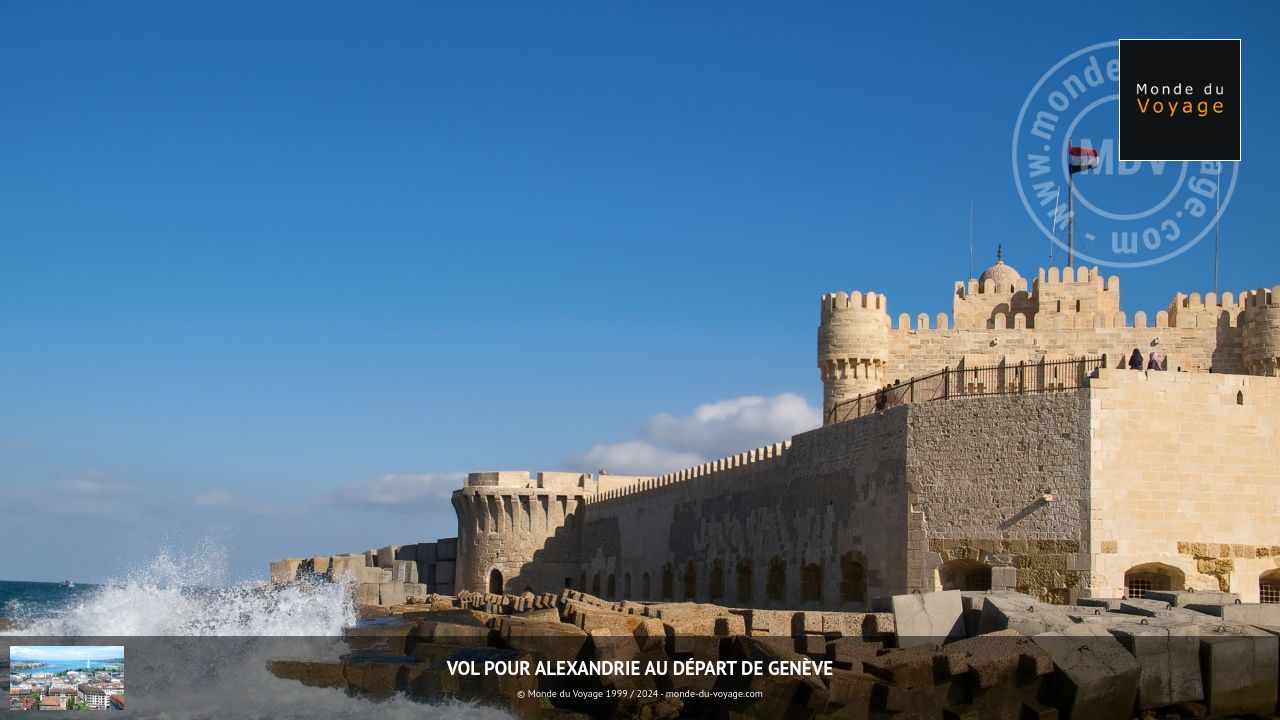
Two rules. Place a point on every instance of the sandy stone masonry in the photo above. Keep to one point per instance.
(1139, 481)
(1065, 313)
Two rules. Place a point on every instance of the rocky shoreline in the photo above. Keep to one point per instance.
(937, 655)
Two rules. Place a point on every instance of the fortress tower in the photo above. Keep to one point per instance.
(1065, 313)
(517, 531)
(853, 344)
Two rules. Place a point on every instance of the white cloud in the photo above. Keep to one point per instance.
(397, 491)
(213, 498)
(94, 482)
(633, 457)
(711, 431)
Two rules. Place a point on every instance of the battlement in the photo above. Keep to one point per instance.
(856, 300)
(575, 483)
(759, 458)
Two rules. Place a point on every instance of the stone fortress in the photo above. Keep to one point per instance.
(1043, 465)
(1121, 482)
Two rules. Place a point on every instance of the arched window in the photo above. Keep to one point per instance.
(744, 573)
(1240, 397)
(964, 574)
(595, 585)
(644, 586)
(775, 586)
(626, 585)
(1139, 579)
(1269, 586)
(495, 582)
(690, 581)
(811, 582)
(853, 578)
(715, 591)
(668, 582)
(611, 587)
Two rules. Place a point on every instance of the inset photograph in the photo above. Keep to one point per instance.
(66, 677)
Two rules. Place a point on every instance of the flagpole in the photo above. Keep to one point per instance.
(1057, 214)
(1071, 210)
(1217, 231)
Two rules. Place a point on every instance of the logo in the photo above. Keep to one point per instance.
(1126, 213)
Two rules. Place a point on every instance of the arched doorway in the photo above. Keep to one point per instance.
(715, 590)
(626, 586)
(1269, 586)
(811, 582)
(690, 581)
(645, 586)
(1140, 579)
(744, 580)
(964, 574)
(668, 581)
(775, 586)
(495, 581)
(853, 578)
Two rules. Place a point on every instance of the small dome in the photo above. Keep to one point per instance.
(1003, 275)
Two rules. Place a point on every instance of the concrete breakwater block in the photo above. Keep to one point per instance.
(1240, 668)
(1094, 677)
(1168, 654)
(1189, 598)
(1021, 613)
(925, 618)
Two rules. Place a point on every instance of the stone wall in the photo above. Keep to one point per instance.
(821, 524)
(1185, 471)
(1000, 481)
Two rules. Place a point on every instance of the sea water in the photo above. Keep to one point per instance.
(195, 648)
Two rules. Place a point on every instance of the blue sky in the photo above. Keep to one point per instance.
(274, 273)
(65, 653)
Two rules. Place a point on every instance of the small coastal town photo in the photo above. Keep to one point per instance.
(66, 677)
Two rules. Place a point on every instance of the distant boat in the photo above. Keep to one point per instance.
(68, 583)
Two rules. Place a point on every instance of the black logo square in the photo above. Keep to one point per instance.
(1179, 100)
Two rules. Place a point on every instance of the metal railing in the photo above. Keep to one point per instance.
(1001, 379)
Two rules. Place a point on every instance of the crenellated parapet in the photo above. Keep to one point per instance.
(853, 344)
(1061, 313)
(1261, 331)
(508, 519)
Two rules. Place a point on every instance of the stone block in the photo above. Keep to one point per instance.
(1094, 677)
(447, 549)
(544, 641)
(387, 556)
(1249, 613)
(1189, 598)
(405, 571)
(426, 553)
(650, 634)
(387, 638)
(445, 573)
(348, 567)
(1020, 613)
(850, 652)
(407, 552)
(320, 564)
(391, 593)
(926, 618)
(370, 575)
(285, 570)
(1240, 669)
(1168, 654)
(366, 594)
(770, 622)
(1004, 578)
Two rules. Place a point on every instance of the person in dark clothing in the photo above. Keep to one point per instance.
(1135, 360)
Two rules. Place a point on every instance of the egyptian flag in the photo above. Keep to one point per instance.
(1082, 159)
